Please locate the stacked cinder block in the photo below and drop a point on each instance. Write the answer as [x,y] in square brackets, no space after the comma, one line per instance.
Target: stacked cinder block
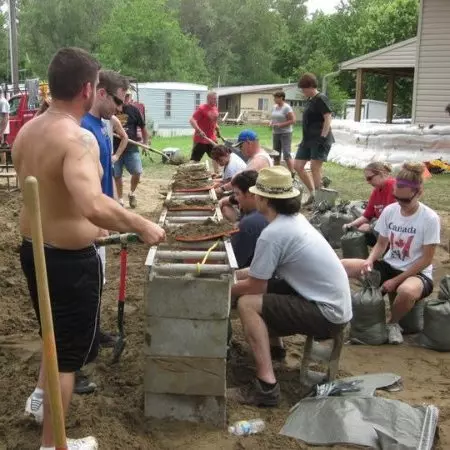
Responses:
[186,347]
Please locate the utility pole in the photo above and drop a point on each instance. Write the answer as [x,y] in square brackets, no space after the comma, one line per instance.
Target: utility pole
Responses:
[13,46]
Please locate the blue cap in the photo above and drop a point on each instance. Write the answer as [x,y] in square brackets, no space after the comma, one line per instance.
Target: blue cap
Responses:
[247,135]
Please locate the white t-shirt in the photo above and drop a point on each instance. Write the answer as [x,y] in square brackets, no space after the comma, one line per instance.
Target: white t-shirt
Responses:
[234,166]
[4,109]
[291,248]
[408,234]
[279,115]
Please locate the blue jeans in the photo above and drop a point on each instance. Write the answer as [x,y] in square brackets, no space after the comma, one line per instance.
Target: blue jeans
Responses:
[131,159]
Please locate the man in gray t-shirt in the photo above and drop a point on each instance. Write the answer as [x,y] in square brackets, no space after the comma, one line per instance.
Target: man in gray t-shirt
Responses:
[295,284]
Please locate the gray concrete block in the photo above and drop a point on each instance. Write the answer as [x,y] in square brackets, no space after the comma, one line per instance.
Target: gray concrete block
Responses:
[187,376]
[186,337]
[188,297]
[211,410]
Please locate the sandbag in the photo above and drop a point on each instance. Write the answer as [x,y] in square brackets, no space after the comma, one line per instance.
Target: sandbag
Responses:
[357,208]
[354,245]
[436,320]
[368,325]
[332,226]
[413,321]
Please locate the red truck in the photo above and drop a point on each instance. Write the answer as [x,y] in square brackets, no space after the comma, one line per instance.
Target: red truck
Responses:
[19,114]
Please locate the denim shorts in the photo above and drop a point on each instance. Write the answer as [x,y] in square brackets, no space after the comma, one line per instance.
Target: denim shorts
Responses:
[131,159]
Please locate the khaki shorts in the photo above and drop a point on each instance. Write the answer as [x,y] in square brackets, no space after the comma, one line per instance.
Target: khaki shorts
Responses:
[286,313]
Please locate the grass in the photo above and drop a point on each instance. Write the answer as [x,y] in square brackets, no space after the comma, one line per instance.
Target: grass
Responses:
[349,182]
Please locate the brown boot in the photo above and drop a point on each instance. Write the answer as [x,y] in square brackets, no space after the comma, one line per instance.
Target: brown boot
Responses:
[253,394]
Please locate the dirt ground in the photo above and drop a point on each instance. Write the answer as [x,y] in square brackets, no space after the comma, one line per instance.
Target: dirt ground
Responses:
[114,414]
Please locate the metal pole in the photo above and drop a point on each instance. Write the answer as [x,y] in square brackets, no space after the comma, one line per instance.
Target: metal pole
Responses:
[14,48]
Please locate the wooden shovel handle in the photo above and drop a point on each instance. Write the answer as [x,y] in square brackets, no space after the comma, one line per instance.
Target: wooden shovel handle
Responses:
[53,389]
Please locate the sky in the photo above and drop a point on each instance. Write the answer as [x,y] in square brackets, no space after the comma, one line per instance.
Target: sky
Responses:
[327,6]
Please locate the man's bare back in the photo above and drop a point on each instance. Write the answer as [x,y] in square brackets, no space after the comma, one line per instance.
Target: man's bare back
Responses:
[46,148]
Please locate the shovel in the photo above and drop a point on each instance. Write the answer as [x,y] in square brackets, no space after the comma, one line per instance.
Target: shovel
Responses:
[146,147]
[122,239]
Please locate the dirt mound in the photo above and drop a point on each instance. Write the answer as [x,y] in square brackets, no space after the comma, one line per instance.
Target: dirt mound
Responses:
[193,230]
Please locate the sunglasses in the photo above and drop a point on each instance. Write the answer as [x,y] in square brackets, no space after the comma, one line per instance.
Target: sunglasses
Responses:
[118,101]
[404,200]
[369,179]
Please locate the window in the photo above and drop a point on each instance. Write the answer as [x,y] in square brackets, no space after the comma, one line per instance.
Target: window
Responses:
[263,104]
[197,100]
[14,103]
[168,104]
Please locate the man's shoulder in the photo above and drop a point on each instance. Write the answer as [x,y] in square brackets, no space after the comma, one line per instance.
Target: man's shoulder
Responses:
[253,218]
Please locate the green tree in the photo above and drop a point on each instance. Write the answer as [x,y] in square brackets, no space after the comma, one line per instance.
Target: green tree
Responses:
[47,25]
[145,40]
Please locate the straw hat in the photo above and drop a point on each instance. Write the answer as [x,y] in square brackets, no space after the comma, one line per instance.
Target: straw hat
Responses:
[275,182]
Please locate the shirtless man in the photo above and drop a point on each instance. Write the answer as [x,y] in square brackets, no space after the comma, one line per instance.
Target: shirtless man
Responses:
[66,162]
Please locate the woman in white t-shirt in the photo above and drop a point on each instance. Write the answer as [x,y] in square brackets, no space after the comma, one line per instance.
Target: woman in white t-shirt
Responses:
[412,231]
[282,121]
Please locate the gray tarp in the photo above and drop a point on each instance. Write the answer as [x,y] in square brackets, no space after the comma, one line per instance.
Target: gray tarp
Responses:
[359,418]
[373,422]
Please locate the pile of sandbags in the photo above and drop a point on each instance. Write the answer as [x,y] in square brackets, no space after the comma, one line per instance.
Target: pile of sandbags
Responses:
[436,320]
[330,220]
[368,325]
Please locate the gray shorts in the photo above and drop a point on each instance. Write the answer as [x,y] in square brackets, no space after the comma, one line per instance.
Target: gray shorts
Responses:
[282,143]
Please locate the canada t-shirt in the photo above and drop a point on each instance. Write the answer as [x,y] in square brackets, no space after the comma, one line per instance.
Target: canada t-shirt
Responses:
[234,166]
[206,117]
[408,234]
[379,199]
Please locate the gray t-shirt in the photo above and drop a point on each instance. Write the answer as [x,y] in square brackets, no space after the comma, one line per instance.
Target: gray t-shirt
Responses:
[279,115]
[292,249]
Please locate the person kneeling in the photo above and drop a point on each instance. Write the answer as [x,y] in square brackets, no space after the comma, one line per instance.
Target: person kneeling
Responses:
[310,294]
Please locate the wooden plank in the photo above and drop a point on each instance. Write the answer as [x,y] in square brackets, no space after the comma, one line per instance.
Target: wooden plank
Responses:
[185,376]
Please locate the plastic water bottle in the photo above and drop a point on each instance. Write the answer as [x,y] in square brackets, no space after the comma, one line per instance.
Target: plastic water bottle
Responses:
[246,427]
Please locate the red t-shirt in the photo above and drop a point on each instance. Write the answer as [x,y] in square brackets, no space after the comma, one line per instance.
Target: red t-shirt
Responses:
[206,116]
[380,197]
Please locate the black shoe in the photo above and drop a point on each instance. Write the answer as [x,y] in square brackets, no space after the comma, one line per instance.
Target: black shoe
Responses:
[107,340]
[254,394]
[278,353]
[83,385]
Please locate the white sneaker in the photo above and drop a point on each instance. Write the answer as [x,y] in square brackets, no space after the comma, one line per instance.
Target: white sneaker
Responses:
[87,443]
[35,407]
[132,200]
[394,333]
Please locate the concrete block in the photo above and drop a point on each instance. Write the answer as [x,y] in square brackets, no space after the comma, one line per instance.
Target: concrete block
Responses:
[187,376]
[188,297]
[211,410]
[186,337]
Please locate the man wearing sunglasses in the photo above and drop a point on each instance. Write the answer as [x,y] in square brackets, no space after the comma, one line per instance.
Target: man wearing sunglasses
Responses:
[131,119]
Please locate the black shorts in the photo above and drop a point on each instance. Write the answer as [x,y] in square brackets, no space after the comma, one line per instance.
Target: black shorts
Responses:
[199,150]
[313,151]
[286,313]
[387,272]
[75,280]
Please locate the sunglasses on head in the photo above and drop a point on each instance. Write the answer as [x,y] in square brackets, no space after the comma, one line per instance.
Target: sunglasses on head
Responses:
[118,101]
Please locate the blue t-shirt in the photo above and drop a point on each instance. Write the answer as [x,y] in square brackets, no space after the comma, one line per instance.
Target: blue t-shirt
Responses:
[98,128]
[244,242]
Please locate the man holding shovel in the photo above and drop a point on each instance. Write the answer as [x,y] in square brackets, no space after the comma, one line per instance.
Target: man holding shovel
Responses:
[74,212]
[131,119]
[204,122]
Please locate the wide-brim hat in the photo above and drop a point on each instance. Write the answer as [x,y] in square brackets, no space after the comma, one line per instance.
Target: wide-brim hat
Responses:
[275,182]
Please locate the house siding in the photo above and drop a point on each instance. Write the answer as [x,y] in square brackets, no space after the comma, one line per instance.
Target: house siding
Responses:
[182,107]
[432,83]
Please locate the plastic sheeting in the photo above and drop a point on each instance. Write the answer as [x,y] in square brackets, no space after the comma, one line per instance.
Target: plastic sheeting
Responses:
[359,418]
[358,143]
